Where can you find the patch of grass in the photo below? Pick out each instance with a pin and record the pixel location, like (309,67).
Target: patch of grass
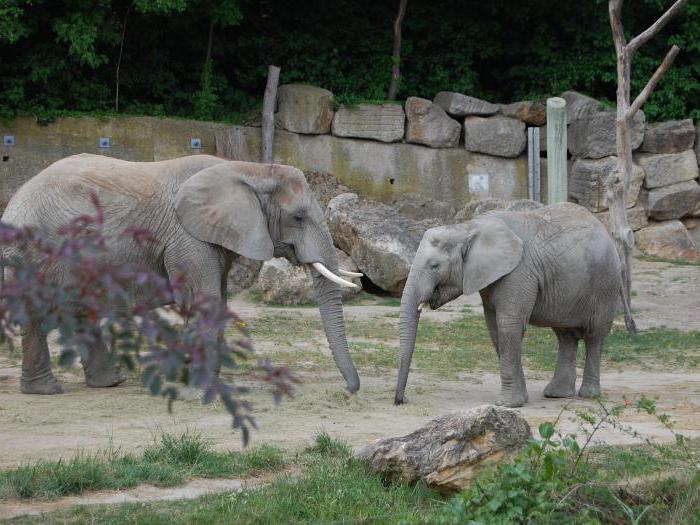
(369,299)
(256,296)
(325,445)
(681,262)
(169,461)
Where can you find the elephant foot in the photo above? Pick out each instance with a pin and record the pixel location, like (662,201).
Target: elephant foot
(560,389)
(512,399)
(46,386)
(589,390)
(105,379)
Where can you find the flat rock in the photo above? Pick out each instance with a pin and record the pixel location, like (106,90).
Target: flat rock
(324,186)
(593,135)
(531,112)
(674,201)
(380,240)
(499,135)
(419,207)
(480,206)
(636,218)
(669,137)
(578,105)
(428,124)
(382,122)
(669,168)
(459,105)
(668,240)
(692,224)
(304,109)
(449,451)
(587,182)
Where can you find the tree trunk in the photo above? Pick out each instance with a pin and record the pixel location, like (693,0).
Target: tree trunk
(268,114)
(119,60)
(210,40)
(396,54)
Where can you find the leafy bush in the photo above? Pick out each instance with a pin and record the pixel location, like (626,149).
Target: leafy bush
(94,302)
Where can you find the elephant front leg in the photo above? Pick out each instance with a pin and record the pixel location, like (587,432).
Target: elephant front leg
(100,369)
(37,377)
(563,384)
(590,386)
(513,388)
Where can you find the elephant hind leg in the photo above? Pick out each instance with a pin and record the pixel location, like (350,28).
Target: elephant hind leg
(590,386)
(563,384)
(100,369)
(37,377)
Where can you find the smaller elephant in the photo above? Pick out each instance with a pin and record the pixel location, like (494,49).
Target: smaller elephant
(554,266)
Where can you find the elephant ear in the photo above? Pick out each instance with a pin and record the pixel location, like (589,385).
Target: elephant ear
(492,251)
(219,206)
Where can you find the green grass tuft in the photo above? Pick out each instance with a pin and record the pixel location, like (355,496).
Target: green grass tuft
(325,445)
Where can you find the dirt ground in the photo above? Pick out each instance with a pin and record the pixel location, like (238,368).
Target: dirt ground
(82,419)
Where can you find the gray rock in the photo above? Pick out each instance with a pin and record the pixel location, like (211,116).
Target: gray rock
(500,136)
(244,272)
(324,186)
(668,240)
(459,105)
(674,201)
(304,109)
(419,207)
(381,241)
(593,135)
(481,206)
(579,105)
(636,218)
(281,282)
(669,168)
(428,124)
(669,137)
(587,182)
(522,205)
(692,224)
(450,450)
(697,144)
(531,112)
(382,122)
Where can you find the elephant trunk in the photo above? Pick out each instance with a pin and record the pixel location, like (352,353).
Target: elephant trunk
(408,326)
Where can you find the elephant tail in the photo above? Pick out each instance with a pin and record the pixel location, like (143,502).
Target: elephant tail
(629,320)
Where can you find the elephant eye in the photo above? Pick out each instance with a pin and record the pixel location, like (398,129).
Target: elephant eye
(298,217)
(433,265)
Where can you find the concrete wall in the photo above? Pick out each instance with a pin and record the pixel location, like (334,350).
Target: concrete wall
(375,170)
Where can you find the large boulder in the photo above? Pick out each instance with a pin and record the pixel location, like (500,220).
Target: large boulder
(587,182)
(593,135)
(304,109)
(674,201)
(668,240)
(670,168)
(697,144)
(380,240)
(459,105)
(448,452)
(428,124)
(578,105)
(419,208)
(669,137)
(281,282)
(480,206)
(324,186)
(692,224)
(531,112)
(382,122)
(636,218)
(244,272)
(499,135)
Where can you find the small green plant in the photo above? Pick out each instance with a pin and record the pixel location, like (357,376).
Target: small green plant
(325,445)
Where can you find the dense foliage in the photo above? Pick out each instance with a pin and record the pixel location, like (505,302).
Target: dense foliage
(94,303)
(208,58)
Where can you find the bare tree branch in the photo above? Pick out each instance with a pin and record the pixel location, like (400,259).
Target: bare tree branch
(651,85)
(268,113)
(657,26)
(396,54)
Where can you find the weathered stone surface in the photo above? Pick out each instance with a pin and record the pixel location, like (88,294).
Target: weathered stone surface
(692,224)
(578,105)
(382,122)
(674,201)
(481,206)
(324,186)
(244,272)
(281,282)
(428,124)
(668,240)
(501,136)
(304,109)
(381,241)
(531,112)
(419,207)
(448,452)
(670,168)
(587,182)
(593,135)
(636,218)
(697,144)
(669,137)
(459,105)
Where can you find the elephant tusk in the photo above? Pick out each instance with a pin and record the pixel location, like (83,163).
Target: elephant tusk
(320,268)
(421,306)
(349,274)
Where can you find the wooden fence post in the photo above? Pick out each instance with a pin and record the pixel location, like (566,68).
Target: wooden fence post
(268,112)
(533,164)
(556,151)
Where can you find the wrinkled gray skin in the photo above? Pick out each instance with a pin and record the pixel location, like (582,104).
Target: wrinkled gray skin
(205,212)
(554,266)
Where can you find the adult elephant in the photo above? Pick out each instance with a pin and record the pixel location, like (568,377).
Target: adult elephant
(205,212)
(555,266)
